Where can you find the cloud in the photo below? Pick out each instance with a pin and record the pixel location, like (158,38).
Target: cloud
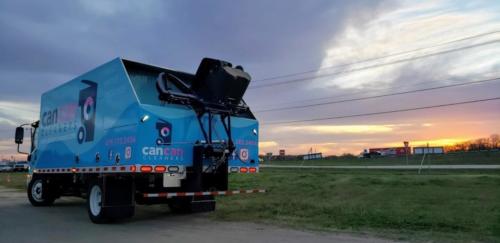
(414,26)
(14,112)
(432,142)
(267,144)
(44,45)
(336,129)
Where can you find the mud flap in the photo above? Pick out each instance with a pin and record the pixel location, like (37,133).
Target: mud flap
(119,198)
(196,204)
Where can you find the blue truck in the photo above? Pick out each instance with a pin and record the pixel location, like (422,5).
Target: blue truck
(128,133)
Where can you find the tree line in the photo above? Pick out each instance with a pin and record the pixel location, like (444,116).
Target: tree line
(489,143)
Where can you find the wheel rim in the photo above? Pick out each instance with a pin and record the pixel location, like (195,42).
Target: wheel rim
(36,191)
(95,200)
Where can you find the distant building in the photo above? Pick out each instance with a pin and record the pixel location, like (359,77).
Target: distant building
(312,156)
(428,150)
(282,152)
(394,151)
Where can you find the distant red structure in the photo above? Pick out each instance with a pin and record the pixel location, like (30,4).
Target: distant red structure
(395,151)
(282,152)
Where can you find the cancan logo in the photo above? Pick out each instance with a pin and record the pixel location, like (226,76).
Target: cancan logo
(162,151)
(87,104)
(164,132)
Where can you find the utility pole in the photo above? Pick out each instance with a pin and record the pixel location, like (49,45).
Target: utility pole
(406,143)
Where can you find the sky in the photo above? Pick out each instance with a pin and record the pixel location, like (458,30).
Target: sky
(344,50)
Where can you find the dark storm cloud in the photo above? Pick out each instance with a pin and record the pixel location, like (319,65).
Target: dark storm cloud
(44,44)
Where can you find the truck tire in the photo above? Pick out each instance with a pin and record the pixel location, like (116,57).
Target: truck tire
(39,193)
(99,214)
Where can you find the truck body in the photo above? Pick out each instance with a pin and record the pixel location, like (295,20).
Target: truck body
(137,130)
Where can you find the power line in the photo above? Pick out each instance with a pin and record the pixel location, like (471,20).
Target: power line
(379,96)
(366,91)
(382,112)
(374,66)
(380,57)
(379,90)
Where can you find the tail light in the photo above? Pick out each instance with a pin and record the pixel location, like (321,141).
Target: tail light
(173,169)
(133,168)
(243,170)
(252,169)
(146,168)
(160,168)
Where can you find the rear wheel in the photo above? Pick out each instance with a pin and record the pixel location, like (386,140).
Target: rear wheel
(97,213)
(100,213)
(39,193)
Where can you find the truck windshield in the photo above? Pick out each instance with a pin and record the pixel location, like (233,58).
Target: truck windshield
(34,143)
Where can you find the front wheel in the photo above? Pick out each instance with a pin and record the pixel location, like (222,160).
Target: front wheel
(39,193)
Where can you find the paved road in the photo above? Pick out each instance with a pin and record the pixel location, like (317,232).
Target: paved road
(388,167)
(67,221)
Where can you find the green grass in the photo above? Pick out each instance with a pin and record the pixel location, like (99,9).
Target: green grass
(13,180)
(462,206)
(486,157)
(437,205)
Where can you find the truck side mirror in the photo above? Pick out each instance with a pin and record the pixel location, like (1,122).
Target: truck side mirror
(19,135)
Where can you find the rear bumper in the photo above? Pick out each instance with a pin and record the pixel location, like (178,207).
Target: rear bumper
(191,194)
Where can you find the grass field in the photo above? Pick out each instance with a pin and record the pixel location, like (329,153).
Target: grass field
(486,157)
(13,180)
(438,205)
(458,206)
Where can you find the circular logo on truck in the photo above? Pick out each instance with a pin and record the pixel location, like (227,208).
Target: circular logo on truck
(165,131)
(80,135)
(244,154)
(88,108)
(128,152)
